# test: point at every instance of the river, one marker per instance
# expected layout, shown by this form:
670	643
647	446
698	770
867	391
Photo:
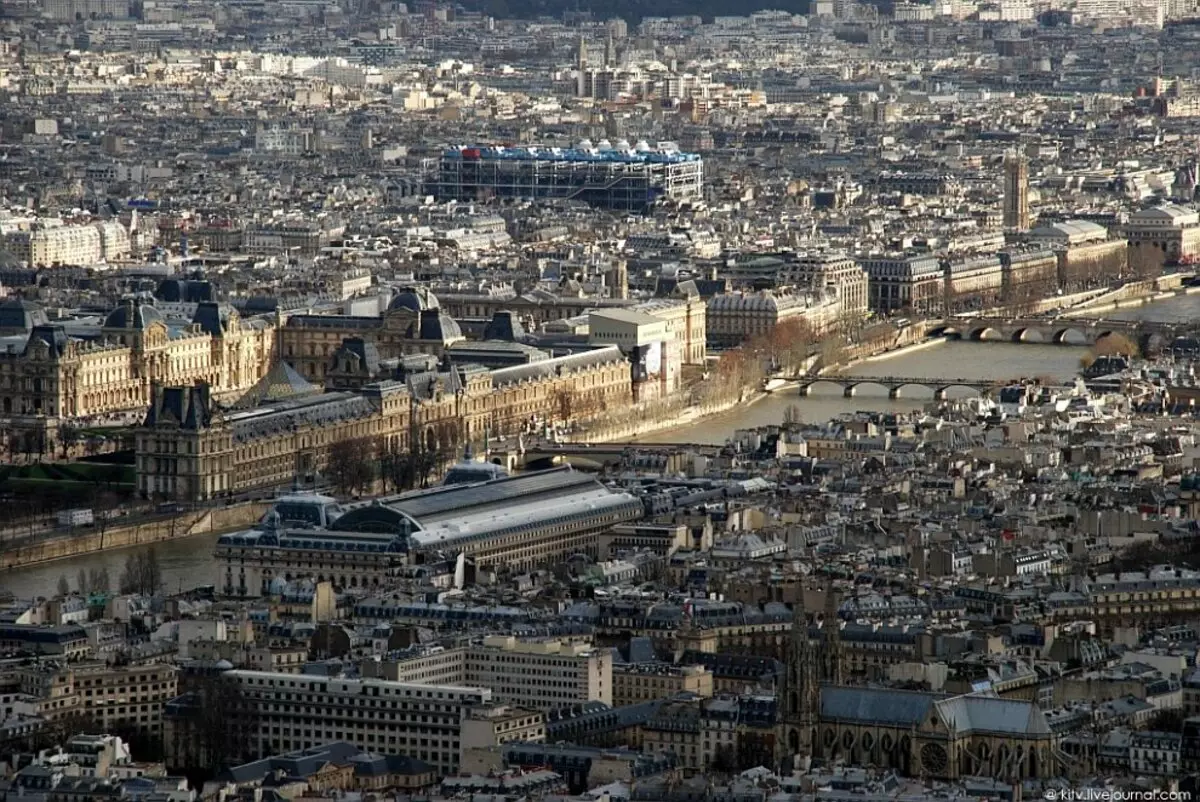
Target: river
1179	309
185	563
993	361
188	563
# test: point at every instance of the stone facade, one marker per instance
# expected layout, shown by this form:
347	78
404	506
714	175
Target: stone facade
189	449
49	372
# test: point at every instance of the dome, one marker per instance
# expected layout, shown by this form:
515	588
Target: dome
132	314
17	314
415	299
435	326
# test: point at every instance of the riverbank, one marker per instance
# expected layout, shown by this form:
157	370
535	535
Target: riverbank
660	418
669	418
93	540
1135	294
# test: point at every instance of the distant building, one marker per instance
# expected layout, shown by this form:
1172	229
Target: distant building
905	283
420	721
51	371
77	245
1016	193
1170	230
615	177
836	271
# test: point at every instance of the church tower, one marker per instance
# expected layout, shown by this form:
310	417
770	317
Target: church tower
798	696
582	66
832	650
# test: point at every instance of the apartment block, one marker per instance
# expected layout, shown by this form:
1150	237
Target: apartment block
632	684
496	724
291	712
542	674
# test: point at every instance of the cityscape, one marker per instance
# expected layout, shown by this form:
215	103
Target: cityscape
599	401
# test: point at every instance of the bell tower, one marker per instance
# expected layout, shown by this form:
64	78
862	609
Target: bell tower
798	696
832	650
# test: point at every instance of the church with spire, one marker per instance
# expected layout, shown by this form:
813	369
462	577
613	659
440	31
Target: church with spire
822	718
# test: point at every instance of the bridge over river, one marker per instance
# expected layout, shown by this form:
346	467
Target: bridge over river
1056	330
895	384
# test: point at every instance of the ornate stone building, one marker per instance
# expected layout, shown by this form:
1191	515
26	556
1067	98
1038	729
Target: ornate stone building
281	431
54	371
917	733
417	322
413	324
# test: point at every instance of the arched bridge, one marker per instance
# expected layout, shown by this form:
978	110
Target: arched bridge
894	384
1062	330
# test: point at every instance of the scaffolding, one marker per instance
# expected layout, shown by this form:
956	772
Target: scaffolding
626	179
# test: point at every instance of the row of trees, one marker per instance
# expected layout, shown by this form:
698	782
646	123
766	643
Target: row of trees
88	580
355	465
141	574
34	445
785	348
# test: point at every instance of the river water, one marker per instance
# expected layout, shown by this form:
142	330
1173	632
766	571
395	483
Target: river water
188	563
1179	309
992	361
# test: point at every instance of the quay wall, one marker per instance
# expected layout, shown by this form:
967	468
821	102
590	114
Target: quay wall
92	539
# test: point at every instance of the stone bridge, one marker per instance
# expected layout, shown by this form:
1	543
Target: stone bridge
894	384
1063	330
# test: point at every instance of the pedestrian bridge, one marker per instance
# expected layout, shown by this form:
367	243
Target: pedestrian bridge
895	385
1058	331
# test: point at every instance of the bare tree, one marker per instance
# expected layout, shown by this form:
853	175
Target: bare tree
82	582
217	730
98	581
142	573
68	435
563	401
351	464
64	586
792	417
1146	262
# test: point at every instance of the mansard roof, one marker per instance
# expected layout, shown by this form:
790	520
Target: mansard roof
17	313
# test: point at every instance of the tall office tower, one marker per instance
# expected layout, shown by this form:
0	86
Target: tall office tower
1016	192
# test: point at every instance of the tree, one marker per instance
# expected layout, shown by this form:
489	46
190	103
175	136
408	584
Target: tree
82	582
142	573
217	728
1115	344
68	435
1146	261
62	729
563	401
64	587
98	581
351	464
792	416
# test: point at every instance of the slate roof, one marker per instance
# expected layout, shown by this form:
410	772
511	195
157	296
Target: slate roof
877	705
133	314
504	325
306	762
549	367
17	313
972	713
990	714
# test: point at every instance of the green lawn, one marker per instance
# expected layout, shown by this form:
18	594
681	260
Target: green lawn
87	473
